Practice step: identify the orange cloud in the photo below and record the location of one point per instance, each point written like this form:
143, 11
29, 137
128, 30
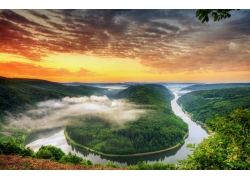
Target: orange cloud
25, 70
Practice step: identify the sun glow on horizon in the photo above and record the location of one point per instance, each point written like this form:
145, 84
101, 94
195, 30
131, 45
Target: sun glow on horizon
81, 68
123, 46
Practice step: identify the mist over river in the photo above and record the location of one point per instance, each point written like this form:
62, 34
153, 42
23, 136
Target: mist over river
196, 135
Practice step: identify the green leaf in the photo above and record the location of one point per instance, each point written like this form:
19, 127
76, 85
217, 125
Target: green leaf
231, 165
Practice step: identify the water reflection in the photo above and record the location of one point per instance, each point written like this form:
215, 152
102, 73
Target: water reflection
42, 133
128, 160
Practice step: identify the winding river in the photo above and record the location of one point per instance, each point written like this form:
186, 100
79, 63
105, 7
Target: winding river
196, 135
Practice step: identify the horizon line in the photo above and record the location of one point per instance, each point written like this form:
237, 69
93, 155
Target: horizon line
123, 82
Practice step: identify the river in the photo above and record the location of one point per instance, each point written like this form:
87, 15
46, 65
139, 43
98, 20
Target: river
196, 135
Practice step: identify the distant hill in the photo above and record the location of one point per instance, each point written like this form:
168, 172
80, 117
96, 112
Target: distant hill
77, 89
146, 94
95, 84
16, 96
198, 87
206, 104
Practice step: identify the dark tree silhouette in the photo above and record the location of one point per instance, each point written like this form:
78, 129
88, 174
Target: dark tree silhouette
217, 14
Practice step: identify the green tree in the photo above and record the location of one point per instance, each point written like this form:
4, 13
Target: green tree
56, 153
27, 152
217, 14
111, 164
44, 154
228, 148
73, 159
10, 148
155, 166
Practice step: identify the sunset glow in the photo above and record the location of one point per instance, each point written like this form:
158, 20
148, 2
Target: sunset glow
124, 46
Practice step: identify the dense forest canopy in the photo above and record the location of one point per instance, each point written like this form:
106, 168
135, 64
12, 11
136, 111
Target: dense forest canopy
198, 87
143, 94
18, 95
159, 129
228, 148
77, 90
206, 104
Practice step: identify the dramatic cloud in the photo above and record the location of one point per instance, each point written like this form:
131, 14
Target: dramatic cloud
168, 41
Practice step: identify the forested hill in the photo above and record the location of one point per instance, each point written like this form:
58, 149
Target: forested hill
75, 90
15, 96
198, 87
18, 94
207, 103
147, 94
158, 129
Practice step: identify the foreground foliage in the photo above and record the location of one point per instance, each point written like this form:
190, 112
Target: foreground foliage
52, 158
50, 152
45, 152
155, 166
217, 14
10, 162
228, 148
12, 148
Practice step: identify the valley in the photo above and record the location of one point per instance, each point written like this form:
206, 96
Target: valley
171, 156
124, 125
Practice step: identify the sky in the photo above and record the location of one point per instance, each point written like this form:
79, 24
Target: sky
126, 45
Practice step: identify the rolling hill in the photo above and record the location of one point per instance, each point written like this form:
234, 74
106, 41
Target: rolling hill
80, 90
16, 96
206, 104
156, 130
198, 87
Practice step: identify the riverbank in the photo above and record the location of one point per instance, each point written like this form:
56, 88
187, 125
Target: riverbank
123, 155
195, 135
203, 125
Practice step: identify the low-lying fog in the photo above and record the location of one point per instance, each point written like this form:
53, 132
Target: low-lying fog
56, 113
